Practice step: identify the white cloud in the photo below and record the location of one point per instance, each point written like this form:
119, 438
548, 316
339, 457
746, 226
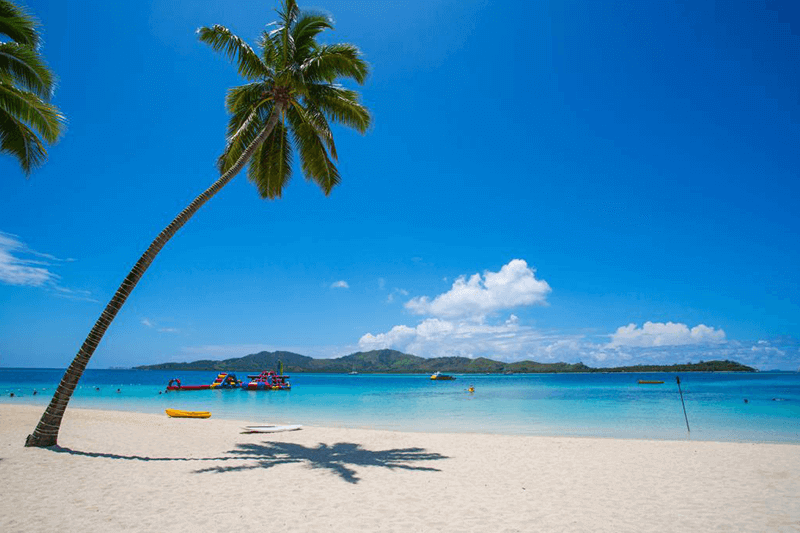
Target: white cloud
653, 334
73, 294
435, 337
511, 341
458, 318
341, 284
466, 321
515, 285
22, 266
150, 324
17, 266
395, 293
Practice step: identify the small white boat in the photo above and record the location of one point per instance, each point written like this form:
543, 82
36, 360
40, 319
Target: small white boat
270, 429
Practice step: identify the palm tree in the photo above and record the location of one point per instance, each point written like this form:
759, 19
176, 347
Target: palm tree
27, 119
290, 99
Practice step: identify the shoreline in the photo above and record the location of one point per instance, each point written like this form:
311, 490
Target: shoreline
116, 470
367, 427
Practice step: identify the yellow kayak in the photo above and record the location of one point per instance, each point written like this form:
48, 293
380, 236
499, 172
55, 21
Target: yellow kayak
177, 413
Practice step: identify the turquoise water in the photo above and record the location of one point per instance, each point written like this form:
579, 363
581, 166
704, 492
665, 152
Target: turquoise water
607, 405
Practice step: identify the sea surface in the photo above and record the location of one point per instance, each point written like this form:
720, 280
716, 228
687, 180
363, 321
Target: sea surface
590, 405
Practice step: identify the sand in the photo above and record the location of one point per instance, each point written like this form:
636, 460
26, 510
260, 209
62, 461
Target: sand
117, 471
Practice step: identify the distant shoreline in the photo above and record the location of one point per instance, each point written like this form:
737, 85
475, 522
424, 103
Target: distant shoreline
394, 362
465, 373
377, 373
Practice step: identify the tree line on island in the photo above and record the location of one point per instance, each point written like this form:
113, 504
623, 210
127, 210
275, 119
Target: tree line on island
395, 362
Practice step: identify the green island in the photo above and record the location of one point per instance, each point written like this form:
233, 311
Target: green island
394, 362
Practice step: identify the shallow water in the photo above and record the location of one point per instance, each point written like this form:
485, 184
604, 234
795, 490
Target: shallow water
607, 405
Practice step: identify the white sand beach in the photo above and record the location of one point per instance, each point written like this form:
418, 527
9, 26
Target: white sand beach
118, 471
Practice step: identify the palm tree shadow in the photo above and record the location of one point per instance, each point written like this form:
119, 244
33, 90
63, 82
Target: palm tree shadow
104, 455
339, 458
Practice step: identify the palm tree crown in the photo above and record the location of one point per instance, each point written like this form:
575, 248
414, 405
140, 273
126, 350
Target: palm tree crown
27, 119
292, 79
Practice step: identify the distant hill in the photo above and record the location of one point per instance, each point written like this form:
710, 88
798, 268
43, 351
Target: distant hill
249, 363
394, 362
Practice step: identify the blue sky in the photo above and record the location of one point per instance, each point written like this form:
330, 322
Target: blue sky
612, 183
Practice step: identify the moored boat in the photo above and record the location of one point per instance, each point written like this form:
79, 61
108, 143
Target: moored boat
650, 382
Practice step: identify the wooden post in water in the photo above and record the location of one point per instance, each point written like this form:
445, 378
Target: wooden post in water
678, 380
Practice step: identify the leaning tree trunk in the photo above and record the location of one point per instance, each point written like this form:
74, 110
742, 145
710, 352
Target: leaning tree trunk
46, 432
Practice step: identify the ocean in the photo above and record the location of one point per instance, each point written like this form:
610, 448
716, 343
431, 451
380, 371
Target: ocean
584, 405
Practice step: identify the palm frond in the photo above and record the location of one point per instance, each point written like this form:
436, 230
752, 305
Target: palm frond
247, 96
245, 127
18, 24
44, 117
288, 15
20, 141
330, 62
271, 166
314, 160
305, 31
288, 12
222, 39
270, 50
313, 116
25, 66
340, 105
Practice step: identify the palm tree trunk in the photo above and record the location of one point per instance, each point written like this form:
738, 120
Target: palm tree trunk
46, 432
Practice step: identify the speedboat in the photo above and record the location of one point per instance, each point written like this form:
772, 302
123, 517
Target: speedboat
438, 376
